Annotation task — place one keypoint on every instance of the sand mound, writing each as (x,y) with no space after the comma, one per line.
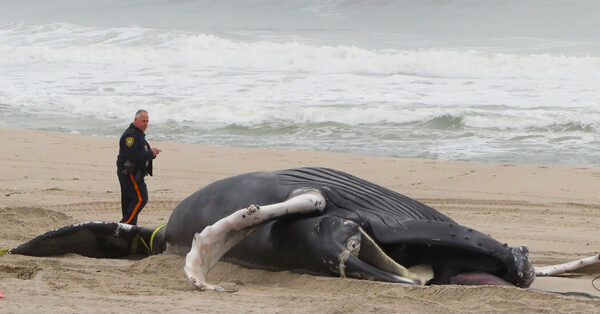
(20,224)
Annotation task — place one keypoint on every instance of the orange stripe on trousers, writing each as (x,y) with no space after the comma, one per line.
(137,206)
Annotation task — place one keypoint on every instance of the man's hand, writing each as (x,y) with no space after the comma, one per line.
(155,151)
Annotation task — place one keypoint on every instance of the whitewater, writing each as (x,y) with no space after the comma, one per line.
(450,80)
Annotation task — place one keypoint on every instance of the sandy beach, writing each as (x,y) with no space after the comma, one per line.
(50,179)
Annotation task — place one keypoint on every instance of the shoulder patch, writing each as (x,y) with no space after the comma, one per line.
(129,141)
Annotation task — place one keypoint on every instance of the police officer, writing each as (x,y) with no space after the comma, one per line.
(133,163)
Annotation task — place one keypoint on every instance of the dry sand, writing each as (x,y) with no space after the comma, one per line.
(48,180)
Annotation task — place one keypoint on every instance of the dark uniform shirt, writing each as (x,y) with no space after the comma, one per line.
(134,153)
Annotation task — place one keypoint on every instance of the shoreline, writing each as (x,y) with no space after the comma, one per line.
(51,179)
(523,160)
(420,177)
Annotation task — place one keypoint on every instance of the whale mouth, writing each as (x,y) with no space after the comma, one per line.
(478,278)
(446,264)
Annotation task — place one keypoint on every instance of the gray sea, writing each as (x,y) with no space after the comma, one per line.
(495,81)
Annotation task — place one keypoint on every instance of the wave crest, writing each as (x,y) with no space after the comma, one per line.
(135,46)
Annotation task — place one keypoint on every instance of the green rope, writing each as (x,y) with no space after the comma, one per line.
(153,234)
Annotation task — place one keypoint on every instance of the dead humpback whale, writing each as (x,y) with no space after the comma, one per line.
(311,220)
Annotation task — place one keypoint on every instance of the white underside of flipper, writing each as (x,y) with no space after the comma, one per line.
(552,270)
(216,240)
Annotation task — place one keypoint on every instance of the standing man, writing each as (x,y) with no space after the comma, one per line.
(133,163)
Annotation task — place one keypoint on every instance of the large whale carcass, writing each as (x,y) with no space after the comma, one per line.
(311,220)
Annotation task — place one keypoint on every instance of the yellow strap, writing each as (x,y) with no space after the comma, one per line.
(146,245)
(134,244)
(152,237)
(2,251)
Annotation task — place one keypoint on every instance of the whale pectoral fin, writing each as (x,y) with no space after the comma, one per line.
(92,239)
(215,240)
(552,270)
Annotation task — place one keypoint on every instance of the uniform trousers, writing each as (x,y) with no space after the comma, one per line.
(134,196)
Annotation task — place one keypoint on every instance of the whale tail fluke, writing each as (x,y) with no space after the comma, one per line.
(94,239)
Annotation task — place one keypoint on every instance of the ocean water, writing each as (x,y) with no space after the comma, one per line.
(495,81)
